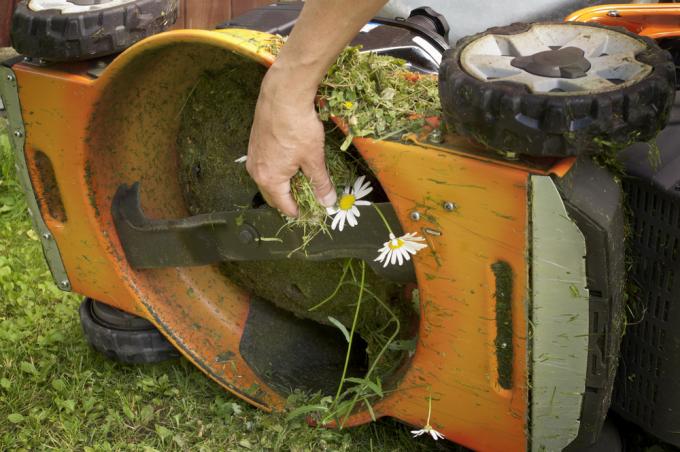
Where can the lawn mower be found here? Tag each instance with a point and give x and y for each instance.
(519, 297)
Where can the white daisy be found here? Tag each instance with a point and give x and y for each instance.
(346, 209)
(241, 159)
(399, 249)
(427, 429)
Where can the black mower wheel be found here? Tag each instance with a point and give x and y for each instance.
(557, 89)
(123, 337)
(83, 29)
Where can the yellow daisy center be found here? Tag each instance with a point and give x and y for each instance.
(349, 105)
(347, 201)
(396, 244)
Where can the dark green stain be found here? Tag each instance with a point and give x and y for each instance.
(504, 352)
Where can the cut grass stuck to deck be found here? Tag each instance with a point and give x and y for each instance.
(56, 393)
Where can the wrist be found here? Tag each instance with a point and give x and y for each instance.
(292, 81)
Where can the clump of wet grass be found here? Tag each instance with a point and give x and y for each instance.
(378, 96)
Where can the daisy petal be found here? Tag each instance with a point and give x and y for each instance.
(388, 258)
(355, 211)
(400, 256)
(362, 203)
(383, 252)
(343, 217)
(358, 183)
(336, 220)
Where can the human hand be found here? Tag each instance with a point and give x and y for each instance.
(287, 136)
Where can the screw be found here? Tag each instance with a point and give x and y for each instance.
(28, 59)
(18, 133)
(65, 285)
(247, 234)
(415, 215)
(449, 206)
(436, 136)
(504, 345)
(47, 236)
(10, 77)
(614, 13)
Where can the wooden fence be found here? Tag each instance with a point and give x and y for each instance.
(192, 13)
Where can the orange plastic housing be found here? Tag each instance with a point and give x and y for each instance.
(99, 133)
(655, 20)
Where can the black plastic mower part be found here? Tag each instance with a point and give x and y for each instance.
(427, 18)
(248, 235)
(292, 353)
(418, 40)
(594, 200)
(123, 337)
(508, 117)
(566, 62)
(53, 36)
(648, 383)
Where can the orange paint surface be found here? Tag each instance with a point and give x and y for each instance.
(656, 20)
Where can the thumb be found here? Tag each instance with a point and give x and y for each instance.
(316, 172)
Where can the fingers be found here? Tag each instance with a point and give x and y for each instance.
(315, 170)
(279, 196)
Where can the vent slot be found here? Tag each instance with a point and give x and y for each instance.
(50, 196)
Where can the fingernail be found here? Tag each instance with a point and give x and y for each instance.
(330, 199)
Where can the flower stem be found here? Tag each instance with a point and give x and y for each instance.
(382, 216)
(351, 334)
(348, 264)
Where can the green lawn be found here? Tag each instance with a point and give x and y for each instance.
(56, 393)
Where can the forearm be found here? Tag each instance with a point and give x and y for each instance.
(324, 28)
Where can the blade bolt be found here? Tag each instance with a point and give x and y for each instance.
(449, 206)
(247, 234)
(436, 136)
(47, 236)
(18, 133)
(10, 78)
(415, 215)
(65, 285)
(614, 13)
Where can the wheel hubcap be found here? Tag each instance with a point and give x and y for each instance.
(567, 62)
(558, 59)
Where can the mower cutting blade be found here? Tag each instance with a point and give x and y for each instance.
(247, 235)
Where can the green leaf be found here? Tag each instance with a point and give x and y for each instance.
(5, 383)
(340, 326)
(128, 413)
(15, 418)
(305, 409)
(162, 432)
(370, 409)
(58, 384)
(28, 367)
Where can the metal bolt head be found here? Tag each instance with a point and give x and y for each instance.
(449, 206)
(436, 136)
(10, 78)
(614, 13)
(65, 285)
(415, 215)
(47, 236)
(18, 133)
